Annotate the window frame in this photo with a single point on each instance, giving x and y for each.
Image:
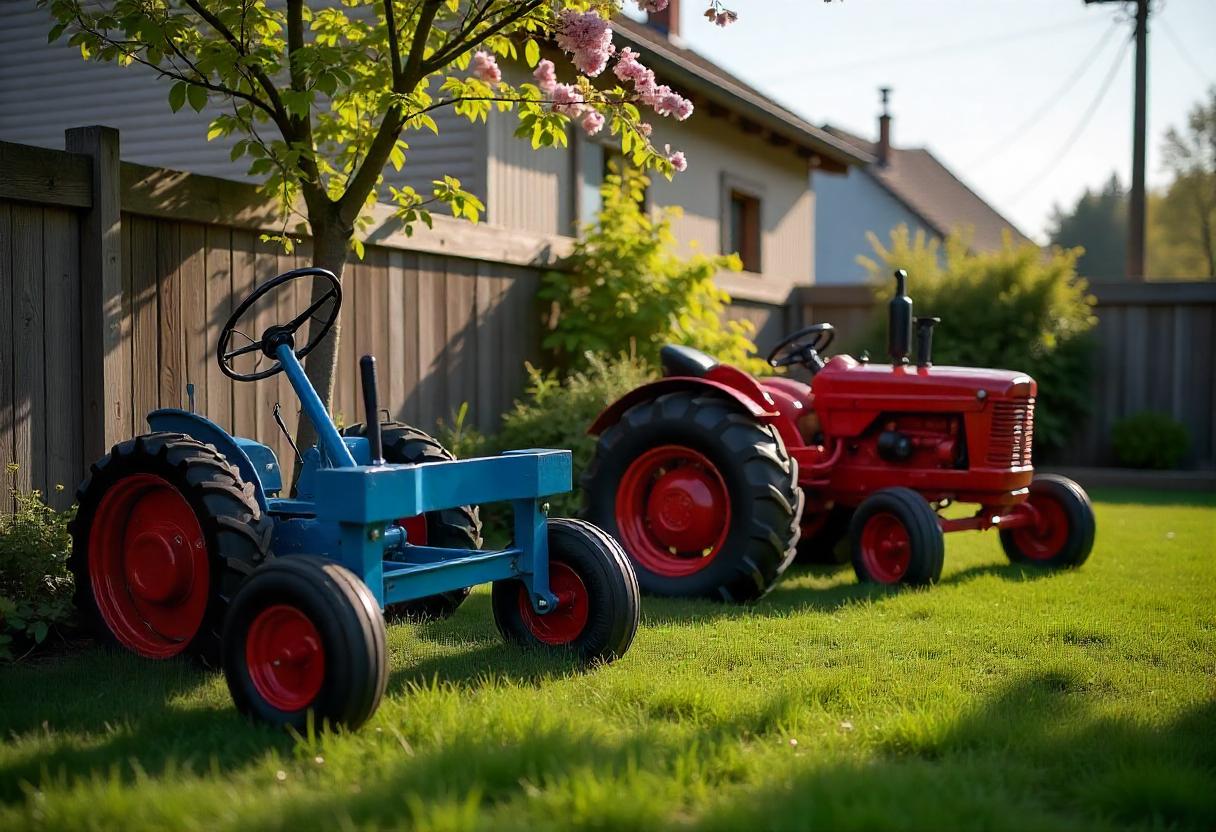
(751, 192)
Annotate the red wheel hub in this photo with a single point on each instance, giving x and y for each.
(566, 622)
(1048, 534)
(148, 566)
(886, 549)
(673, 510)
(285, 657)
(415, 529)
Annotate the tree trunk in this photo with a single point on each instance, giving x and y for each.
(330, 241)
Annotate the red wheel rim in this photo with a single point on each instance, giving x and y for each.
(285, 657)
(568, 620)
(415, 529)
(673, 511)
(886, 549)
(148, 566)
(1047, 536)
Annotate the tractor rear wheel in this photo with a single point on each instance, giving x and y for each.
(456, 528)
(1063, 533)
(165, 533)
(598, 605)
(896, 539)
(305, 635)
(703, 498)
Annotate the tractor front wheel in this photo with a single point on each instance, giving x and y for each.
(896, 539)
(598, 605)
(305, 635)
(1062, 534)
(454, 528)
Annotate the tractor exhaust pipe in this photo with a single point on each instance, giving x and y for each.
(899, 321)
(924, 341)
(371, 403)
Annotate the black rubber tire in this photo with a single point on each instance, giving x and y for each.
(351, 628)
(828, 546)
(457, 528)
(925, 537)
(236, 531)
(614, 600)
(760, 475)
(1082, 526)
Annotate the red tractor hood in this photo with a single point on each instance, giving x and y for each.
(848, 394)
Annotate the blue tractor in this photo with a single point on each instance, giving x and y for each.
(184, 543)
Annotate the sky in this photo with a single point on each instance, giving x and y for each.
(994, 88)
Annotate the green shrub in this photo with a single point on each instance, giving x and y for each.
(35, 584)
(1019, 308)
(627, 289)
(1149, 440)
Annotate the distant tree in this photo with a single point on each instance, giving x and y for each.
(1182, 237)
(1097, 224)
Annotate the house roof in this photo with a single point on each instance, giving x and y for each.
(930, 190)
(712, 83)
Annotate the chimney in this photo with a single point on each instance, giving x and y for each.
(884, 128)
(668, 20)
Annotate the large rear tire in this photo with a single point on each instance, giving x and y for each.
(456, 528)
(305, 635)
(704, 499)
(1063, 534)
(165, 533)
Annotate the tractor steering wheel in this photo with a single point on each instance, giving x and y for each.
(278, 334)
(803, 347)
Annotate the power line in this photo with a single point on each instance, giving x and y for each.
(999, 147)
(1182, 50)
(937, 51)
(1077, 131)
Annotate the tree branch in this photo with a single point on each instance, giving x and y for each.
(412, 73)
(463, 44)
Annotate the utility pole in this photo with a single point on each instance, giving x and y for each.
(1134, 267)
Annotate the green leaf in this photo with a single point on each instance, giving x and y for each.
(532, 53)
(39, 631)
(177, 96)
(197, 96)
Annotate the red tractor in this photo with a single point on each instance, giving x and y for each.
(709, 477)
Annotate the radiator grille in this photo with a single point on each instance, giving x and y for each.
(1012, 433)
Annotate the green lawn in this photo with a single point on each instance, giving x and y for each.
(999, 699)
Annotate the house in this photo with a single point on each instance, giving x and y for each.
(749, 187)
(902, 186)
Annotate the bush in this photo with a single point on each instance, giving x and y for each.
(35, 584)
(1018, 308)
(628, 290)
(1149, 440)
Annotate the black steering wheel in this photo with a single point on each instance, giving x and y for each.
(279, 334)
(803, 347)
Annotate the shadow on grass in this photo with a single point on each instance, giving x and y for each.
(1034, 755)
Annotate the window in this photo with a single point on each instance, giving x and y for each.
(743, 233)
(595, 162)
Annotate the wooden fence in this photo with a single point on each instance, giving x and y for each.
(1156, 351)
(116, 280)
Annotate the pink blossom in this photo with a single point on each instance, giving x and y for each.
(652, 6)
(485, 67)
(593, 122)
(588, 39)
(546, 76)
(677, 160)
(645, 129)
(567, 100)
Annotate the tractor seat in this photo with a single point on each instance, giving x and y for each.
(685, 361)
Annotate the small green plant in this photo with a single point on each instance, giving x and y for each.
(1149, 440)
(35, 584)
(1015, 309)
(463, 440)
(627, 288)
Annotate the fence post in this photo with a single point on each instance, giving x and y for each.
(105, 376)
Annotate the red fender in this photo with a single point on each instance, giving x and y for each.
(761, 406)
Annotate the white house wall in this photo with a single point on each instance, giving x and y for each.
(848, 207)
(716, 149)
